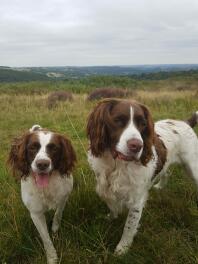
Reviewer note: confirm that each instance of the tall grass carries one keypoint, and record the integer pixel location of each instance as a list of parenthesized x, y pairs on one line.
[(169, 226)]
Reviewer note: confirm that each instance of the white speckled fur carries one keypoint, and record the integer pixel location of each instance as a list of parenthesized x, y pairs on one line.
[(122, 184)]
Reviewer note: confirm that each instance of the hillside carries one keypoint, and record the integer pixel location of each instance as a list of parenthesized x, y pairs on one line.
[(77, 72), (14, 75), (8, 74)]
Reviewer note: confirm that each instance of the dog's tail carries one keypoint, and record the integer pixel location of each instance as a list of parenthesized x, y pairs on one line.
[(193, 120)]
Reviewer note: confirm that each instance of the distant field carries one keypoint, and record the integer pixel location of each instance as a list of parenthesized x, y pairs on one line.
[(169, 227)]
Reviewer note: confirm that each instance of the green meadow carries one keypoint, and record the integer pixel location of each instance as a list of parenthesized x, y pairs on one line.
[(169, 226)]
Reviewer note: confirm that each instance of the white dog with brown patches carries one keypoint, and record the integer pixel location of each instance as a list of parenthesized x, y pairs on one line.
[(128, 153), (44, 160)]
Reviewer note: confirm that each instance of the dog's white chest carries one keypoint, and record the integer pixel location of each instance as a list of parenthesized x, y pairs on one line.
[(48, 198), (123, 185), (43, 199)]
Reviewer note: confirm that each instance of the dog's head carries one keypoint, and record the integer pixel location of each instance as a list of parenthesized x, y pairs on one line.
[(124, 127), (40, 152)]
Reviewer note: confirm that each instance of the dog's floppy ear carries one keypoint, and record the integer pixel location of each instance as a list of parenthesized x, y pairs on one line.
[(97, 126), (17, 158), (148, 136), (68, 156)]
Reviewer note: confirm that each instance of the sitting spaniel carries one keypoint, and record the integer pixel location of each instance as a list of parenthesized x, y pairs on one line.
[(128, 153), (44, 160)]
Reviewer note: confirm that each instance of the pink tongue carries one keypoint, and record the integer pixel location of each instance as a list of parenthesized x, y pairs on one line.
[(121, 156), (42, 180), (126, 158)]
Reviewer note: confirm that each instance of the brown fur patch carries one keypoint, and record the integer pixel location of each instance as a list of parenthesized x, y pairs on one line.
[(175, 132), (161, 154), (98, 126), (193, 120), (148, 136), (170, 123), (17, 158), (62, 154)]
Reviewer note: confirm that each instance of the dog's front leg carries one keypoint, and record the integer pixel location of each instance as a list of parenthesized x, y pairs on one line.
[(58, 215), (130, 229), (40, 223)]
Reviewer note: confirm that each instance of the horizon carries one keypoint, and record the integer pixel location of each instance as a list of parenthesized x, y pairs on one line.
[(107, 65)]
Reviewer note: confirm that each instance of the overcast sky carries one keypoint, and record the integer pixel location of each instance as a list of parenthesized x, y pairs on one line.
[(102, 32)]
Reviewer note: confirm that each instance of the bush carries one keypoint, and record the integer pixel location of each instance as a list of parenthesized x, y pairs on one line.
[(57, 96), (100, 93)]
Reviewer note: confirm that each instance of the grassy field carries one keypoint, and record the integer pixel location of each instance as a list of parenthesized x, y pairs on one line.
[(169, 227)]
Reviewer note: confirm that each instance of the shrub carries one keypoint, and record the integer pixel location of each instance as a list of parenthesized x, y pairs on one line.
[(100, 93), (57, 96)]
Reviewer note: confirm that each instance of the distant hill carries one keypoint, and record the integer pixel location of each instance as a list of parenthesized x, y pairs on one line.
[(14, 75), (8, 74), (78, 72)]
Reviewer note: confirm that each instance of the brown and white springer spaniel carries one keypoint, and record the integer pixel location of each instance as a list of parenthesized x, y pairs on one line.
[(45, 161), (128, 153)]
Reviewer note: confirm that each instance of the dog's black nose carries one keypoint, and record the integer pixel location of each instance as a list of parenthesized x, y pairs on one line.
[(42, 164), (134, 145)]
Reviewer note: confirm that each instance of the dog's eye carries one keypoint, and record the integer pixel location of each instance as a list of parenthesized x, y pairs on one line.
[(121, 121), (52, 147), (141, 121), (34, 147)]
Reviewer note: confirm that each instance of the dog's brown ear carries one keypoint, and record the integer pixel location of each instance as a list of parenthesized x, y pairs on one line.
[(17, 158), (148, 136), (97, 127), (68, 156)]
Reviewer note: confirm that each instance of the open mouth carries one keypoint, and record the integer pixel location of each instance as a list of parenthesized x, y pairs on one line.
[(41, 179), (121, 156)]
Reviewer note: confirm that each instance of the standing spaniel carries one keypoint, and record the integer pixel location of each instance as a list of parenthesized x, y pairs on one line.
[(45, 161), (128, 153)]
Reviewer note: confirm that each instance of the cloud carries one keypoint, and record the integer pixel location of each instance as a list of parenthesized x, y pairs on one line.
[(84, 32)]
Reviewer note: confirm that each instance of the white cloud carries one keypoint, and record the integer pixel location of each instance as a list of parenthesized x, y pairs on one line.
[(82, 32)]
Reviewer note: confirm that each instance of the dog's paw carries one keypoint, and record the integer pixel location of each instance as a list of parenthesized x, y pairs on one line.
[(55, 226), (52, 261), (111, 216), (52, 257), (158, 186), (121, 250)]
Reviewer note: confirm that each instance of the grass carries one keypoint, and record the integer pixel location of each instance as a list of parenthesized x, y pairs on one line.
[(169, 227)]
